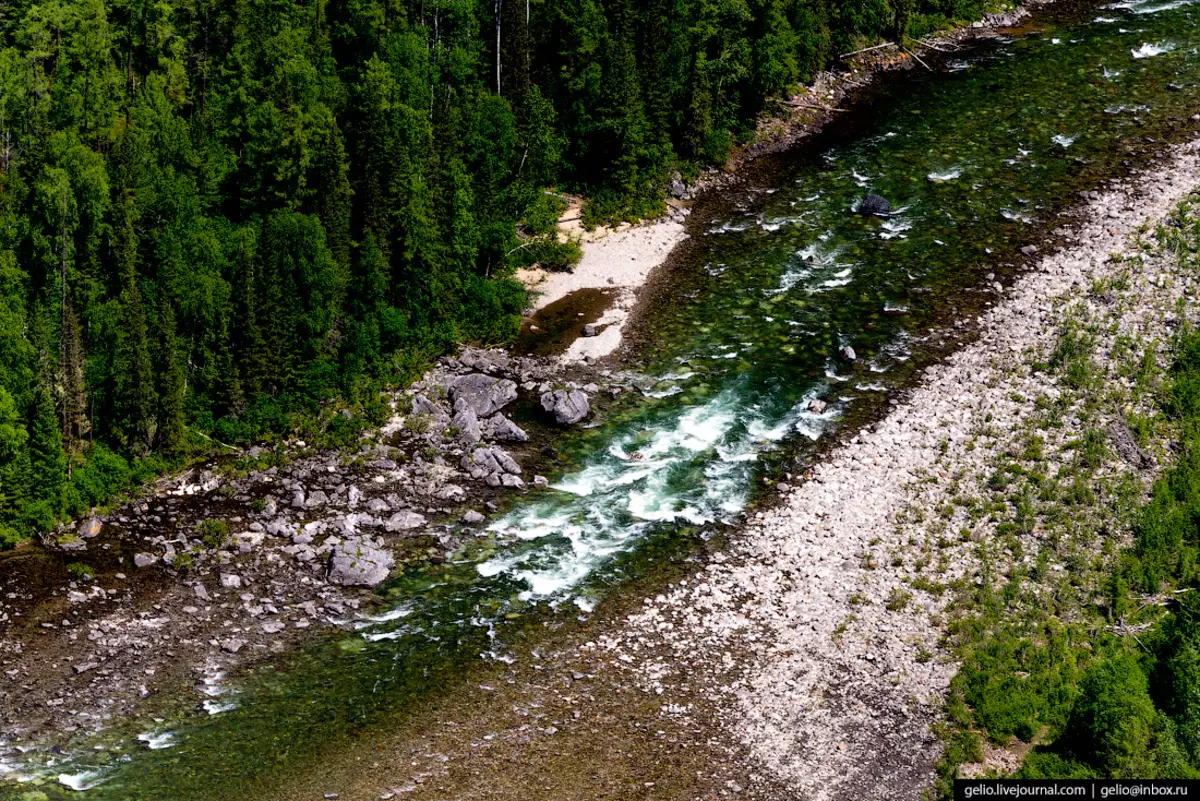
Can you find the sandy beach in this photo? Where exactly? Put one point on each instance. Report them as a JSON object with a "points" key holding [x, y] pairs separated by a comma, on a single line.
{"points": [[620, 260]]}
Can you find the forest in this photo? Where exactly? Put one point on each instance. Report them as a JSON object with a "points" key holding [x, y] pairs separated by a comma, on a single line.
{"points": [[219, 217]]}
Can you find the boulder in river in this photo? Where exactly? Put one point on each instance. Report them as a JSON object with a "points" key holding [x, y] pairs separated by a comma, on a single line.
{"points": [[874, 206], [567, 406], [484, 394], [359, 562]]}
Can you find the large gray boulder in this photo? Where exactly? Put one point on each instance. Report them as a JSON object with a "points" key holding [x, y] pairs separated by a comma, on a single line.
{"points": [[567, 406], [404, 521], [435, 416], [466, 424], [484, 394], [486, 462], [90, 527], [500, 427], [359, 562]]}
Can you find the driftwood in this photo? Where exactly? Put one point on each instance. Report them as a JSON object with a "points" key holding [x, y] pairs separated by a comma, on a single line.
{"points": [[917, 56], [868, 49], [932, 46]]}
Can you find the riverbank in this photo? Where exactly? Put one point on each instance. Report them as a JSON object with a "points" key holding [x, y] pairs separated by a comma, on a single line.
{"points": [[156, 609], [730, 339], [806, 657], [819, 633], [617, 263]]}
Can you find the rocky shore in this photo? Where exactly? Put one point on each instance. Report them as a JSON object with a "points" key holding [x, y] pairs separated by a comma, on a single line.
{"points": [[245, 556]]}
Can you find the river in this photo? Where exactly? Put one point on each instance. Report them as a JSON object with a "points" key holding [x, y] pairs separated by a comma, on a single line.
{"points": [[977, 158]]}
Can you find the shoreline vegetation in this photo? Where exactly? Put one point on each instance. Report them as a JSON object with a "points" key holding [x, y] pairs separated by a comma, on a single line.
{"points": [[1078, 659], [224, 225]]}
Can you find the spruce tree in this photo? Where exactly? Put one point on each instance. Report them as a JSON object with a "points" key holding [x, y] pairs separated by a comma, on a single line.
{"points": [[47, 461], [13, 437], [172, 382], [134, 396]]}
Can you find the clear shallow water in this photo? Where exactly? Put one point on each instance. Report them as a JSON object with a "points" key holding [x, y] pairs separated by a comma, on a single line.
{"points": [[778, 281]]}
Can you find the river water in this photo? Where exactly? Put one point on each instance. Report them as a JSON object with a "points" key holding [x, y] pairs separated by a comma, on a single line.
{"points": [[976, 158]]}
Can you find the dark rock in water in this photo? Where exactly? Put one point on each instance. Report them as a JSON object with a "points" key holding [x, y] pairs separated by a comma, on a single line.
{"points": [[874, 206]]}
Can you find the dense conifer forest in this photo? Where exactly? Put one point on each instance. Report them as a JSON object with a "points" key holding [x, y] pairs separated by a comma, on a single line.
{"points": [[217, 216]]}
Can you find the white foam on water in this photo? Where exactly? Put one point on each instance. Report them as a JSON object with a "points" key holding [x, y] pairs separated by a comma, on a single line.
{"points": [[833, 283], [84, 780], [945, 175], [693, 468], [1016, 216], [862, 180], [1143, 7], [958, 65], [214, 707], [1150, 50], [1064, 141], [398, 613], [156, 741], [895, 227]]}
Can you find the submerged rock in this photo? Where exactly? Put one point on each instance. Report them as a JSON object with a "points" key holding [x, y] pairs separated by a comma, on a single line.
{"points": [[567, 406], [359, 562], [874, 206]]}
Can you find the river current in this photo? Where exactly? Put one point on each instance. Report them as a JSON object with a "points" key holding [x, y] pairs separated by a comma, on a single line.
{"points": [[976, 158]]}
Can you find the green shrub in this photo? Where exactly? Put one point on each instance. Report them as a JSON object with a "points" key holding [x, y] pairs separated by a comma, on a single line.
{"points": [[213, 533], [1113, 723]]}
